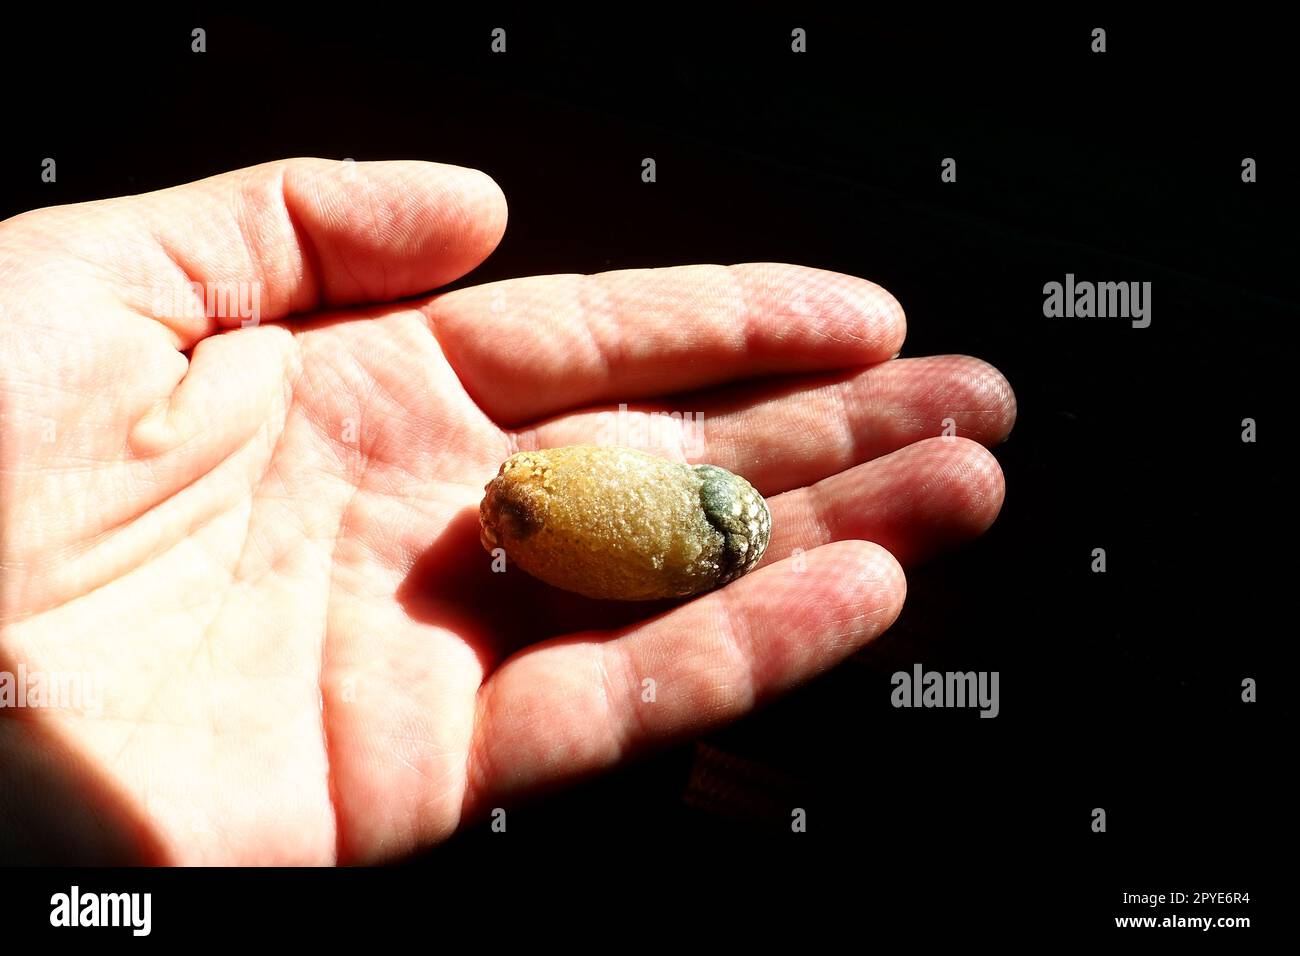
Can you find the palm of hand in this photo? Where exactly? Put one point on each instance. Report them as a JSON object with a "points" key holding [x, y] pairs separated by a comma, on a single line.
{"points": [[266, 555]]}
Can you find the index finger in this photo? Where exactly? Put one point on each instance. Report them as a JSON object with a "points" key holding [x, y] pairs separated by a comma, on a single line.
{"points": [[525, 348]]}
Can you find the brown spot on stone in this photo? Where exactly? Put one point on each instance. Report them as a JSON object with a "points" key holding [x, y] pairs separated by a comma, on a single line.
{"points": [[518, 513]]}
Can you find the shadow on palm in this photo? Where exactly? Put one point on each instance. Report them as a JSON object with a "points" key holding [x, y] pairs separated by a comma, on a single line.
{"points": [[497, 613]]}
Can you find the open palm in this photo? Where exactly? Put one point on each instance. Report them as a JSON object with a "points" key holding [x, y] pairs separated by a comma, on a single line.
{"points": [[260, 537]]}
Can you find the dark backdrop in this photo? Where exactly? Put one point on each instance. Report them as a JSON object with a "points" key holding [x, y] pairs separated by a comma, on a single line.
{"points": [[1118, 690]]}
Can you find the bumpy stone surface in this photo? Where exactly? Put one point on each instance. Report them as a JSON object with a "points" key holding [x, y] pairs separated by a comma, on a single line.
{"points": [[612, 522]]}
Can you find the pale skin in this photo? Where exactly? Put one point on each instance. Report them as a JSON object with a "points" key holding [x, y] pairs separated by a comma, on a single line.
{"points": [[261, 542]]}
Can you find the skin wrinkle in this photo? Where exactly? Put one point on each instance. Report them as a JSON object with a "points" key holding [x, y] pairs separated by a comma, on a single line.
{"points": [[376, 234], [254, 263], [234, 453], [817, 510], [735, 634], [392, 395], [157, 553], [331, 778], [346, 265], [237, 581], [748, 333], [164, 407], [520, 439], [341, 849], [619, 733], [608, 358], [428, 311], [190, 609], [308, 251], [325, 295], [177, 338], [846, 423], [477, 761]]}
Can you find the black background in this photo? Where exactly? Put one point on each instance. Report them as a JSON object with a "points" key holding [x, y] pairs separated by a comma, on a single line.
{"points": [[1119, 690]]}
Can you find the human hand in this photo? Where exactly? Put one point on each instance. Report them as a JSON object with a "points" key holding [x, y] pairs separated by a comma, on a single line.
{"points": [[261, 542]]}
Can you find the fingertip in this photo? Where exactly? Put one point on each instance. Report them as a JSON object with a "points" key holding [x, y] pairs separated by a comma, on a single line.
{"points": [[480, 201], [380, 230], [991, 396], [892, 320], [851, 315], [868, 574], [851, 575], [960, 483]]}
